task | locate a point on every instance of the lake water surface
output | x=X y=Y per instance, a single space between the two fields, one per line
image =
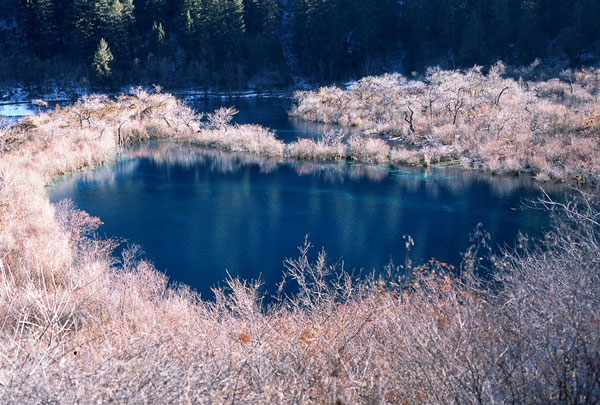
x=197 y=212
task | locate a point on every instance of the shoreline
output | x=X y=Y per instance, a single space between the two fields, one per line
x=79 y=325
x=368 y=149
x=490 y=121
x=346 y=156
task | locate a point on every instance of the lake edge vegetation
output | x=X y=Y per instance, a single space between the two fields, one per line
x=488 y=121
x=79 y=324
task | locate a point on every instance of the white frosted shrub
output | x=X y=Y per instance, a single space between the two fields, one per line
x=369 y=149
x=490 y=118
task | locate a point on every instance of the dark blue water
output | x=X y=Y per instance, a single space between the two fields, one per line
x=197 y=213
x=269 y=112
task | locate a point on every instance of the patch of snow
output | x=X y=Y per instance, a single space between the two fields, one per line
x=16 y=110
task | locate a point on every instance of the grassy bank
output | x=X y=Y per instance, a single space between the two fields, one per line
x=489 y=121
x=79 y=325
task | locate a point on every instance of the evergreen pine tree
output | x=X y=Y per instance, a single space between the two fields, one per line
x=594 y=23
x=152 y=10
x=578 y=31
x=503 y=32
x=85 y=23
x=261 y=17
x=529 y=32
x=38 y=26
x=331 y=39
x=229 y=21
x=157 y=39
x=263 y=46
x=449 y=29
x=415 y=21
x=27 y=20
x=109 y=19
x=117 y=22
x=472 y=49
x=188 y=26
x=102 y=61
x=221 y=31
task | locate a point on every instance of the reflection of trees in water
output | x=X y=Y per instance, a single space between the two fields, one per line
x=366 y=208
x=372 y=173
x=339 y=171
x=187 y=156
x=331 y=172
x=101 y=176
x=435 y=181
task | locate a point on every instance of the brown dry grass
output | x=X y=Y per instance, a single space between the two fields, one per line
x=78 y=325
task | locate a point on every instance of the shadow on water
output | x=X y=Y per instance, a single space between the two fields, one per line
x=199 y=212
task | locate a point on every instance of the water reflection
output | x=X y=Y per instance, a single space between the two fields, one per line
x=453 y=180
x=198 y=212
x=271 y=113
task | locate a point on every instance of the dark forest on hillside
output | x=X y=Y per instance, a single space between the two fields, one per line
x=265 y=43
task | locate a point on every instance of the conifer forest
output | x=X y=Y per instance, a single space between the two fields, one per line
x=267 y=43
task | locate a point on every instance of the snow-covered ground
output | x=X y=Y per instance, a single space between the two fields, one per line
x=16 y=110
x=54 y=93
x=47 y=92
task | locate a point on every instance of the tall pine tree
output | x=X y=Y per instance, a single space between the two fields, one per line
x=38 y=26
x=529 y=31
x=263 y=46
x=101 y=63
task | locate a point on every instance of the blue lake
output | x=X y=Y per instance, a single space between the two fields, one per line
x=198 y=213
x=271 y=113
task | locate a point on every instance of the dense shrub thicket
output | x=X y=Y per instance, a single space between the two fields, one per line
x=78 y=324
x=489 y=121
